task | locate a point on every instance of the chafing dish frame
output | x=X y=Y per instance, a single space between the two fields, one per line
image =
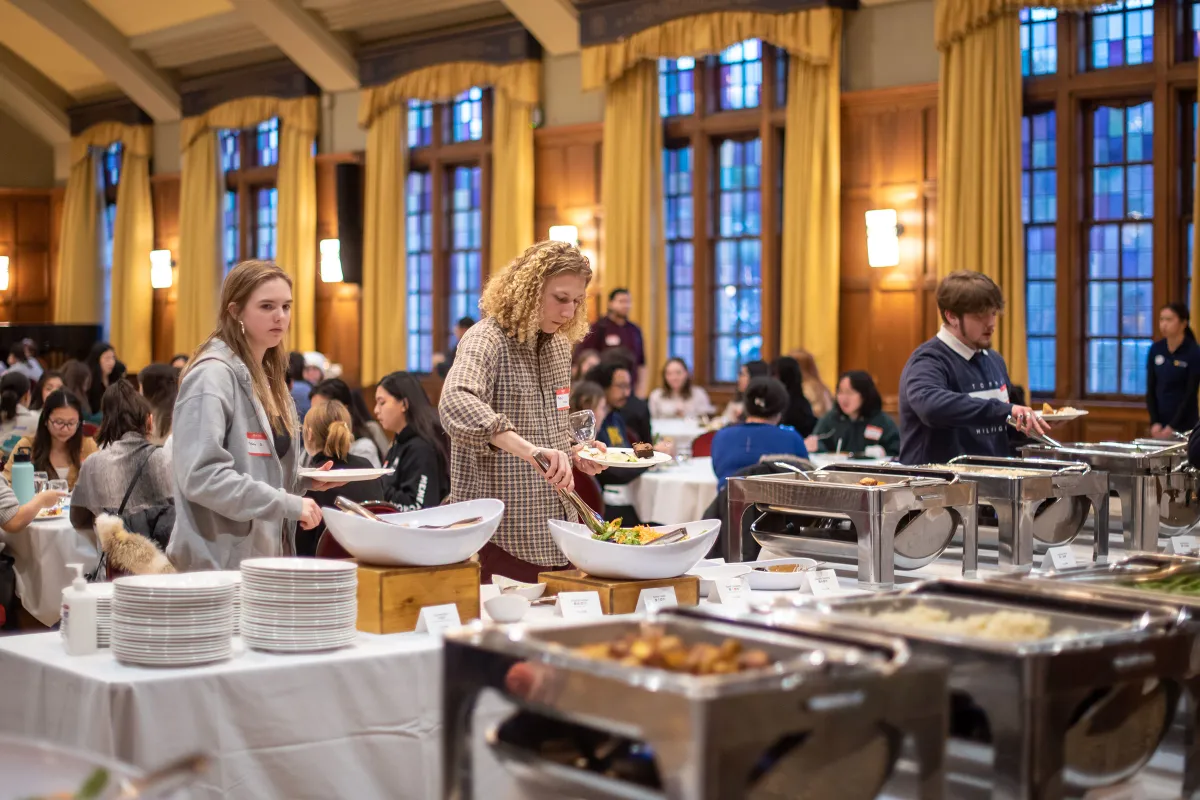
x=1029 y=691
x=875 y=511
x=1015 y=499
x=1135 y=473
x=888 y=688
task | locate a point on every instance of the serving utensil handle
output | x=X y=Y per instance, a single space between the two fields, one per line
x=589 y=517
x=351 y=507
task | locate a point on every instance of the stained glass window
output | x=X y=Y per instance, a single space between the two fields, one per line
x=1189 y=183
x=266 y=143
x=678 y=227
x=737 y=258
x=739 y=75
x=676 y=86
x=112 y=165
x=1121 y=34
x=229 y=231
x=419 y=244
x=467 y=116
x=228 y=143
x=420 y=124
x=109 y=222
x=466 y=239
x=1120 y=269
x=1039 y=196
x=1193 y=26
x=266 y=208
x=1039 y=41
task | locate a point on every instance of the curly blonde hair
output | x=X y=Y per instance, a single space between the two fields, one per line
x=513 y=297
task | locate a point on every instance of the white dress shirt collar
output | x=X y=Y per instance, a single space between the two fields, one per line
x=954 y=343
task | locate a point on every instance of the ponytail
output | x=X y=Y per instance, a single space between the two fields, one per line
x=327 y=429
x=338 y=440
x=13 y=386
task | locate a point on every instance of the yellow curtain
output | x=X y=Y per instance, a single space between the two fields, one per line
x=954 y=19
x=811 y=268
x=133 y=239
x=384 y=299
x=631 y=193
x=296 y=231
x=77 y=288
x=979 y=183
x=199 y=261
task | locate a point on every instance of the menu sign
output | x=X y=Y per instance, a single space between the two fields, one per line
x=437 y=620
x=654 y=599
x=578 y=605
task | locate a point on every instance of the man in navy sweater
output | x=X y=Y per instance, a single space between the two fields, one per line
x=954 y=390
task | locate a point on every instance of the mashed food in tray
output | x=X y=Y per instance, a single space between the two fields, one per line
x=999 y=626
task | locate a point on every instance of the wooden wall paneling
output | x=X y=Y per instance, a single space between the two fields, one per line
x=338 y=307
x=164 y=192
x=26 y=237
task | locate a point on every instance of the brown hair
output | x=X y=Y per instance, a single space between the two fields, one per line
x=124 y=411
x=513 y=296
x=964 y=292
x=328 y=427
x=77 y=379
x=586 y=395
x=269 y=378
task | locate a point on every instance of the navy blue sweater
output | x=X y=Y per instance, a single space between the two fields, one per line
x=950 y=406
x=1172 y=383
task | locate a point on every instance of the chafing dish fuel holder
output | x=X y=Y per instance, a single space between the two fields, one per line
x=1072 y=690
x=824 y=720
x=880 y=516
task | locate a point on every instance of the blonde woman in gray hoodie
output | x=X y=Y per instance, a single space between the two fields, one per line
x=236 y=444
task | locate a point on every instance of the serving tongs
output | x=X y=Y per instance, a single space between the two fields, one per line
x=594 y=522
x=1124 y=573
x=1040 y=438
x=351 y=507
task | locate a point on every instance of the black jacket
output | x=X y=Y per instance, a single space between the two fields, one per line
x=358 y=491
x=799 y=414
x=419 y=476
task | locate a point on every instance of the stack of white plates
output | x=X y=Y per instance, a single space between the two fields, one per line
x=104 y=601
x=173 y=620
x=299 y=605
x=235 y=576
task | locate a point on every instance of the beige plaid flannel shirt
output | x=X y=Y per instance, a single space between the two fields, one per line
x=497 y=384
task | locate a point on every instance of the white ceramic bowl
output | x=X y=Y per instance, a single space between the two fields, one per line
x=779 y=581
x=507 y=607
x=530 y=591
x=388 y=544
x=635 y=562
x=710 y=572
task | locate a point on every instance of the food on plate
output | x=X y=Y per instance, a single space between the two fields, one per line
x=1049 y=409
x=643 y=450
x=1000 y=626
x=651 y=647
x=611 y=455
x=642 y=534
x=93 y=787
x=779 y=568
x=870 y=482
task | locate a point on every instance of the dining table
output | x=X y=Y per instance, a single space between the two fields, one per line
x=41 y=553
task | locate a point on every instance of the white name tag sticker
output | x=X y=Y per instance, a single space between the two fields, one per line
x=824 y=583
x=257 y=445
x=562 y=399
x=1057 y=558
x=654 y=599
x=728 y=591
x=437 y=620
x=873 y=433
x=578 y=605
x=1183 y=545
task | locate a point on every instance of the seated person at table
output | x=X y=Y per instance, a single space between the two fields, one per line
x=678 y=398
x=799 y=413
x=420 y=452
x=856 y=421
x=588 y=396
x=16 y=420
x=636 y=411
x=16 y=517
x=58 y=447
x=328 y=438
x=736 y=410
x=126 y=458
x=740 y=446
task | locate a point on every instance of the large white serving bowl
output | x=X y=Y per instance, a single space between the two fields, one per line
x=40 y=769
x=635 y=562
x=390 y=545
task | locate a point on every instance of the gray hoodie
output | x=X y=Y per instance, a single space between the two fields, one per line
x=234 y=498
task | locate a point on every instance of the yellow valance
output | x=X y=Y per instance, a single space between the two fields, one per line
x=137 y=140
x=954 y=19
x=298 y=114
x=520 y=81
x=810 y=35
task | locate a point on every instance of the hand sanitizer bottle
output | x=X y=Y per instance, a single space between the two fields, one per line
x=79 y=611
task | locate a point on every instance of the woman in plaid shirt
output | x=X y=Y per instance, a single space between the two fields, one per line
x=507 y=397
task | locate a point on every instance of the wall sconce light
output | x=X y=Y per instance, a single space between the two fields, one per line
x=331 y=260
x=883 y=238
x=565 y=233
x=160 y=269
x=3 y=273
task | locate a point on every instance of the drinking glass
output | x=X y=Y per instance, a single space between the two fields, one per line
x=583 y=426
x=40 y=479
x=58 y=485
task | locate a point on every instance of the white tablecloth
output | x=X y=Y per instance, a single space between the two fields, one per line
x=363 y=722
x=677 y=493
x=42 y=552
x=683 y=431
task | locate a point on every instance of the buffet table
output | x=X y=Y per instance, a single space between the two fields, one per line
x=42 y=552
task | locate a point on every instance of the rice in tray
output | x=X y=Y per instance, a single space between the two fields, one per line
x=1001 y=626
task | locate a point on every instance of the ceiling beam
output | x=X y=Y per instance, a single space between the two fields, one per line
x=309 y=44
x=96 y=39
x=33 y=99
x=554 y=23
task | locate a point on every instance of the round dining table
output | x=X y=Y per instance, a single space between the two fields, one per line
x=41 y=553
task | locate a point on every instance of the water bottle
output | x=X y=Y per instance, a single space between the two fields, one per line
x=22 y=475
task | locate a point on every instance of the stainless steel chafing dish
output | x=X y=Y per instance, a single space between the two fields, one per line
x=1038 y=502
x=1084 y=707
x=906 y=521
x=1158 y=490
x=825 y=721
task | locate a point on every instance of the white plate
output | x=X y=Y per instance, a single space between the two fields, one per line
x=345 y=475
x=1076 y=414
x=641 y=463
x=295 y=566
x=779 y=581
x=179 y=582
x=634 y=562
x=389 y=544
